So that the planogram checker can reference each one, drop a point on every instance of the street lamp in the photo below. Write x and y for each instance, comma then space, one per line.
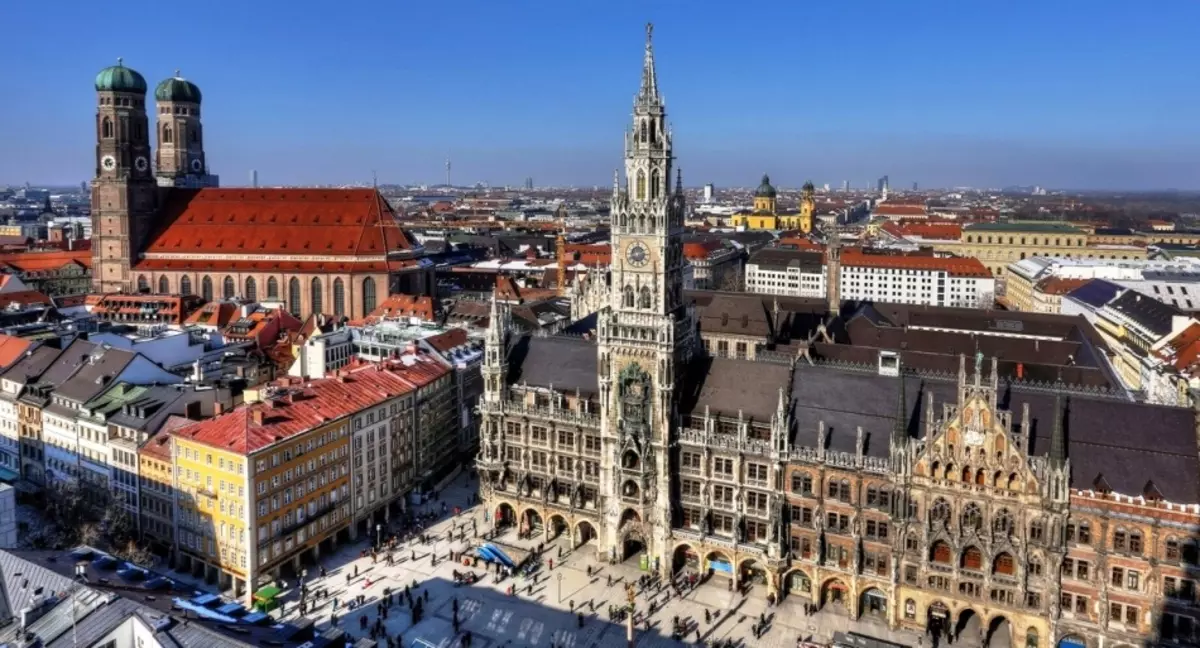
631, 596
378, 535
560, 587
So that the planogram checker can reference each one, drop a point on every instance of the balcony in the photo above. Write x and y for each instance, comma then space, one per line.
549, 413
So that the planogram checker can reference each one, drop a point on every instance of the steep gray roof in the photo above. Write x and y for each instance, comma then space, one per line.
1125, 444
567, 363
727, 386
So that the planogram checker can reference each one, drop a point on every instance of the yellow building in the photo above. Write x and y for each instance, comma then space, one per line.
766, 214
998, 244
260, 491
156, 500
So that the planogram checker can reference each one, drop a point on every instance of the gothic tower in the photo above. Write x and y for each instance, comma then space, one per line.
123, 191
644, 334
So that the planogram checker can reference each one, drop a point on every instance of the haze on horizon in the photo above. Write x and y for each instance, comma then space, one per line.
1068, 94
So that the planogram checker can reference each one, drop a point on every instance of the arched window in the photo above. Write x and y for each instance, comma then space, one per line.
644, 137
1037, 531
294, 296
641, 185
251, 289
627, 298
106, 130
316, 298
167, 136
1002, 526
940, 512
164, 286
972, 518
229, 288
1003, 564
339, 298
972, 558
206, 288
966, 474
368, 296
143, 285
644, 298
655, 185
272, 288
940, 553
185, 285
194, 135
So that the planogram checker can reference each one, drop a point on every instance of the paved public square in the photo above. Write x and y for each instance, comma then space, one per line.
540, 614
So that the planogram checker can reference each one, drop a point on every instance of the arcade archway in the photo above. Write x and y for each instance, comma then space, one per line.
999, 634
584, 533
937, 619
969, 625
797, 583
873, 605
685, 558
506, 516
835, 596
531, 522
558, 526
717, 563
752, 573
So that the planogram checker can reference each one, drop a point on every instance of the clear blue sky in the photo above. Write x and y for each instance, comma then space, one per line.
1062, 93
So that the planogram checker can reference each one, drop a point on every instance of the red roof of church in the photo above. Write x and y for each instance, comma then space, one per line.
284, 222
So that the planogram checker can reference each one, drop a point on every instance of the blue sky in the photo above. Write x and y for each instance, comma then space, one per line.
1062, 93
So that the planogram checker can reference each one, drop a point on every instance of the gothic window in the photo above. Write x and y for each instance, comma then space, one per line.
644, 298
940, 513
339, 298
315, 298
368, 292
294, 296
1003, 564
1003, 524
251, 289
628, 297
641, 185
1034, 567
164, 286
655, 185
194, 135
1135, 543
106, 129
1031, 638
206, 288
644, 133
940, 553
272, 288
167, 136
972, 518
1037, 531
142, 284
972, 558
229, 288
185, 285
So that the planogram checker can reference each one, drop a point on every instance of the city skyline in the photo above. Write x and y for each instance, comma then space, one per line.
1059, 99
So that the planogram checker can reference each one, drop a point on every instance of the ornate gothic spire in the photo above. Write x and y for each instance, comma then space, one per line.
900, 430
649, 90
1058, 442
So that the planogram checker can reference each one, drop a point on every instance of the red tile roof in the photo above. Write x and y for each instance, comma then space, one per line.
47, 259
174, 308
401, 305
11, 348
447, 341
294, 410
25, 298
892, 209
934, 230
215, 314
957, 266
1183, 350
158, 447
1059, 285
303, 222
700, 250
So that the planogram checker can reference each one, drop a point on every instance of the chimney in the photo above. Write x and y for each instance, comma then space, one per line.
218, 408
192, 410
256, 415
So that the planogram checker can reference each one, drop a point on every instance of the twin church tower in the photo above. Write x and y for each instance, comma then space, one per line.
126, 190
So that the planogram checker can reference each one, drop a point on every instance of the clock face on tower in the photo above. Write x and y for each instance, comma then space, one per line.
108, 162
141, 163
196, 166
637, 255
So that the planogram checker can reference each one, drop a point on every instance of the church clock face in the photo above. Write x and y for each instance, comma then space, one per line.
196, 166
141, 163
637, 255
108, 162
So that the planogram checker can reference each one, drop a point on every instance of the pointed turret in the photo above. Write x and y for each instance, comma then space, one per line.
678, 182
1058, 441
649, 90
900, 427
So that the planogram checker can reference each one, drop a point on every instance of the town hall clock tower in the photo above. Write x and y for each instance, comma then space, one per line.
645, 335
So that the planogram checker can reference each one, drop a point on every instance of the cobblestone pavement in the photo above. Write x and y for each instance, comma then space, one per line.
543, 612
